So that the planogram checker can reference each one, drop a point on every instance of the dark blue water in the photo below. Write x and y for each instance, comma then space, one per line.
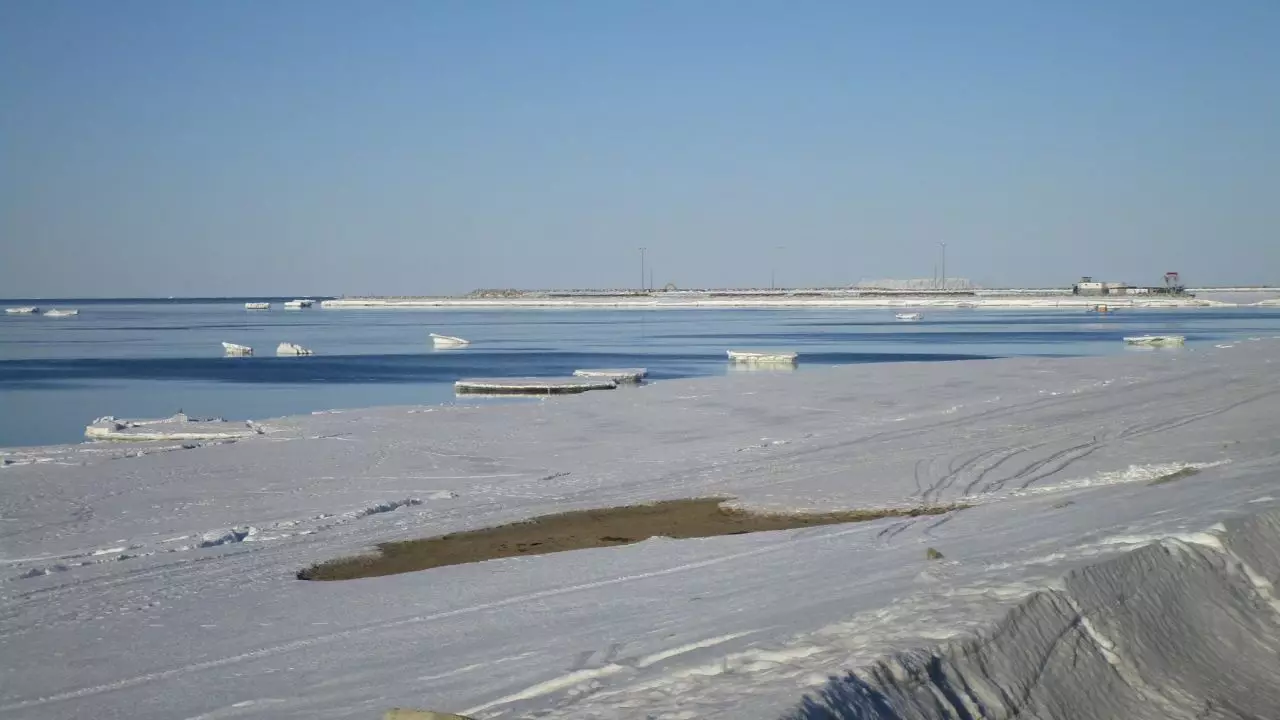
151, 359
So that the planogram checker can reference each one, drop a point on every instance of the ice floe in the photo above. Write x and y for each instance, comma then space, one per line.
178, 427
288, 348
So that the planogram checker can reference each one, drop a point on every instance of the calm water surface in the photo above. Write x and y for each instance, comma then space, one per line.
152, 359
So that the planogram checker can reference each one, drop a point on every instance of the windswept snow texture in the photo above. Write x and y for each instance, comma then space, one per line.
1176, 629
160, 584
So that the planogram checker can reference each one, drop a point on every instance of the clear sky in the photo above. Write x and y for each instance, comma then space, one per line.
436, 146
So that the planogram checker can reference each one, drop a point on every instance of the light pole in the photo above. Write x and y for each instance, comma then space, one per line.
944, 264
641, 269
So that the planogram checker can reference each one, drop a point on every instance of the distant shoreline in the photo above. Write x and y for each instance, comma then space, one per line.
709, 300
1006, 298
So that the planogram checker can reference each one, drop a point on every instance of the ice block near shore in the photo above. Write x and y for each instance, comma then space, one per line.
178, 427
532, 386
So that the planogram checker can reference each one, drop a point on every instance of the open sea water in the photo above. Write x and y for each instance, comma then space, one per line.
146, 359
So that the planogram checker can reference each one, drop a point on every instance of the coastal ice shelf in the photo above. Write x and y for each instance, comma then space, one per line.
156, 579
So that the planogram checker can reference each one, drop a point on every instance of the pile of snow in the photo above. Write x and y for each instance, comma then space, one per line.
1197, 630
387, 507
228, 536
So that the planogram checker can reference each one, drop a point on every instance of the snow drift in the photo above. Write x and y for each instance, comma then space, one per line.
1175, 629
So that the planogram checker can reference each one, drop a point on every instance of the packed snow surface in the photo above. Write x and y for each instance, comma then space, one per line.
1119, 558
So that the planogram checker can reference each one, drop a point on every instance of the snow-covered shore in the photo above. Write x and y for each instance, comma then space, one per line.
158, 582
679, 300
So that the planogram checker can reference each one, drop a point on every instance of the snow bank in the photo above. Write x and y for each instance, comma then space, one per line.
1177, 630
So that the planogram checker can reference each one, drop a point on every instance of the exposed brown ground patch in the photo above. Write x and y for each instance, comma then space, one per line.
580, 529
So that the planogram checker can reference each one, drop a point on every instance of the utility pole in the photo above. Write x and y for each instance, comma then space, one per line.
944, 265
641, 269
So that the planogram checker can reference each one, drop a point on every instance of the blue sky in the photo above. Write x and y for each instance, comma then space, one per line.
437, 146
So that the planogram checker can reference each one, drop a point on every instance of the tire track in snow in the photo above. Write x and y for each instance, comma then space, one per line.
1061, 460
1008, 455
954, 471
611, 666
1173, 423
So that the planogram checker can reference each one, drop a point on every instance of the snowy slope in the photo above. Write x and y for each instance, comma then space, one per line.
162, 585
1180, 629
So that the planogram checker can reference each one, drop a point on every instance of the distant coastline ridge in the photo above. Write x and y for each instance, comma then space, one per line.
958, 293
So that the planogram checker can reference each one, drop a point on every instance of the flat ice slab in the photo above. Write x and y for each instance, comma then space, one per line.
1156, 340
236, 350
762, 356
178, 427
532, 386
621, 375
448, 340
